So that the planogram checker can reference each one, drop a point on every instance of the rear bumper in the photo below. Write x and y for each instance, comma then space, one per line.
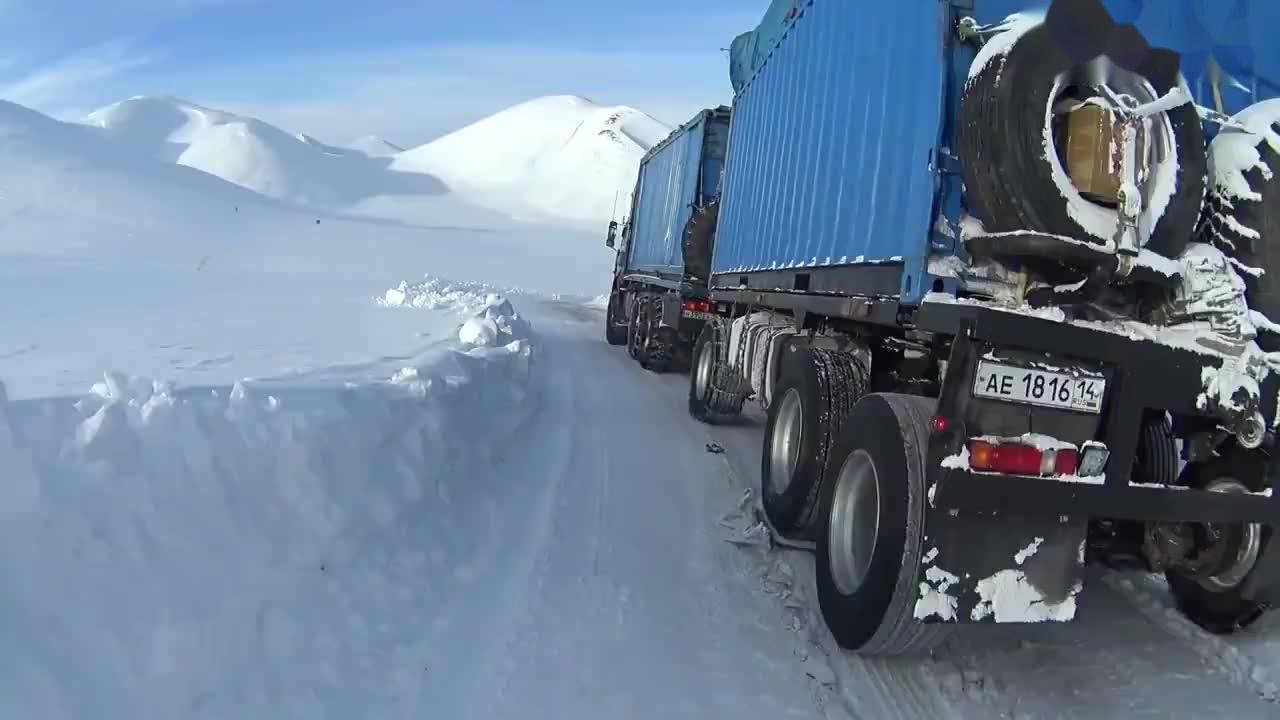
1009, 494
1142, 375
1027, 535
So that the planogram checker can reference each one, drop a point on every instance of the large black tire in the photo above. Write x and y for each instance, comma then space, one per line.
636, 327
875, 615
1008, 180
712, 398
1221, 610
1230, 223
1157, 459
660, 344
816, 391
614, 332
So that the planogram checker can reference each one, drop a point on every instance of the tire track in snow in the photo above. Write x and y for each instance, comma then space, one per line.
660, 624
785, 579
1222, 653
554, 457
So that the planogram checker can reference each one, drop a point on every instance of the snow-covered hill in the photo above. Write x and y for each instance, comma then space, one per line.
255, 154
561, 156
553, 159
126, 259
375, 146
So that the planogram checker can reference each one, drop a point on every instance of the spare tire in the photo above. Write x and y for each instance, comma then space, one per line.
1243, 219
699, 239
1014, 182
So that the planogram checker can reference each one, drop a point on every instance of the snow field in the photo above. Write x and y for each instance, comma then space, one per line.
243, 551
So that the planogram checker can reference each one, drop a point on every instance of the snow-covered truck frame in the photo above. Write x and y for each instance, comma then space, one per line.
658, 302
1004, 305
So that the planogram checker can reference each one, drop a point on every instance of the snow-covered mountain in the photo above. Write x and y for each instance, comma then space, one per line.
254, 154
375, 146
560, 156
554, 159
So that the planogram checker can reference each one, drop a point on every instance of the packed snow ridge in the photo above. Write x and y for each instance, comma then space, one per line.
433, 293
236, 551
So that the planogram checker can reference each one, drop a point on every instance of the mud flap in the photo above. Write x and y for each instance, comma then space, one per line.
1002, 569
671, 310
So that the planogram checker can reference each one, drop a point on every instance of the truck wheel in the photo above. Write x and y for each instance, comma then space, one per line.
872, 526
636, 328
660, 346
1246, 228
710, 401
1214, 601
1157, 456
816, 391
1006, 123
614, 332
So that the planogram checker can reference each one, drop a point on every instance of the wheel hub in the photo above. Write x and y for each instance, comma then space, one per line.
855, 522
784, 442
1218, 556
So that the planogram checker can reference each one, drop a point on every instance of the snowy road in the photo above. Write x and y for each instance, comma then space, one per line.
527, 529
621, 598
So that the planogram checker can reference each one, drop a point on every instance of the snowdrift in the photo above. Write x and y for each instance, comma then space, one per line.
553, 157
236, 552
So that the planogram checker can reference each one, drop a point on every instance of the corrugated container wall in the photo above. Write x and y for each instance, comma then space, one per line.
830, 149
676, 175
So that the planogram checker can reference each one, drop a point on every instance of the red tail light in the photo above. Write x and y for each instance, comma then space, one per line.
1066, 462
1013, 458
695, 305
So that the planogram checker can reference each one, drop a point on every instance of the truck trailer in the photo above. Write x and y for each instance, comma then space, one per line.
658, 301
1004, 304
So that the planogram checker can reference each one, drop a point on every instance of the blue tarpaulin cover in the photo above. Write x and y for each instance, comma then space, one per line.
749, 50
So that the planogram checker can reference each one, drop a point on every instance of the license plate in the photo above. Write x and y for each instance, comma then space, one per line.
695, 315
1039, 387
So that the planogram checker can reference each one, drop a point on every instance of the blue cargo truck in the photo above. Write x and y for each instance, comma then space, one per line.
658, 301
1000, 281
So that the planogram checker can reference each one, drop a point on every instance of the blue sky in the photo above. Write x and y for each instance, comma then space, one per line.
336, 69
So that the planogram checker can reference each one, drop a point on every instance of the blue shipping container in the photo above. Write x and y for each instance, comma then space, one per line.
834, 155
829, 154
678, 174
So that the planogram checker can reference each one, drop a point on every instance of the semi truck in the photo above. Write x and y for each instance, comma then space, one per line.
999, 278
658, 300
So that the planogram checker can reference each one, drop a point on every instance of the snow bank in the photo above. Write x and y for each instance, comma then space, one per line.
254, 551
497, 325
435, 293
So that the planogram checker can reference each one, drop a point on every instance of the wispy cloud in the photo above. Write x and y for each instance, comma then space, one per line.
414, 96
63, 82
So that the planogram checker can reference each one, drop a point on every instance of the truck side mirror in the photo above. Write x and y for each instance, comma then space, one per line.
611, 239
